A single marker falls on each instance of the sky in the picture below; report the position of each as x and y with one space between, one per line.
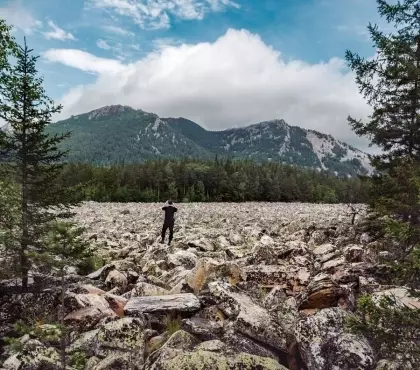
220 63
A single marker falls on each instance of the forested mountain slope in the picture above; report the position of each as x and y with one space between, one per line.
120 134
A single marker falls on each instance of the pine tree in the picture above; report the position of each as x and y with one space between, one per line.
391 84
31 157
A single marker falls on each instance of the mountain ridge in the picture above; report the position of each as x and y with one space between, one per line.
121 134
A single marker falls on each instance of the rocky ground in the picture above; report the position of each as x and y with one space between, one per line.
243 286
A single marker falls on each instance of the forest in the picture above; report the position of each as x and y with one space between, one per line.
212 181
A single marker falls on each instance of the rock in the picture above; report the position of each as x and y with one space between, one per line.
157 342
322 250
202 245
391 365
34 356
91 363
249 318
400 296
324 345
73 301
203 329
116 337
87 318
183 352
145 289
178 343
100 273
284 275
182 258
347 352
353 253
333 265
264 253
14 306
116 303
162 304
121 361
322 292
242 343
116 279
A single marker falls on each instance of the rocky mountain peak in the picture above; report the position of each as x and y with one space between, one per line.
119 133
110 110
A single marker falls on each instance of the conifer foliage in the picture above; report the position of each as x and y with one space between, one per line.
31 160
391 84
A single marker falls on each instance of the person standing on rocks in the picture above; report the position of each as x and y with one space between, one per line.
169 221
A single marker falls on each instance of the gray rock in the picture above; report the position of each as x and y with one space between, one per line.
347 352
162 304
249 318
145 289
185 259
34 356
324 345
202 328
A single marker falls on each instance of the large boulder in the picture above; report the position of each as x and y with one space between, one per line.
324 345
184 352
34 356
145 289
174 303
182 258
249 318
115 338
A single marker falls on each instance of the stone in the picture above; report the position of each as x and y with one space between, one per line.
145 289
87 318
34 356
249 318
73 302
120 361
185 259
353 253
333 265
182 351
284 275
322 292
202 245
322 250
347 352
203 329
401 296
324 345
175 303
116 278
116 337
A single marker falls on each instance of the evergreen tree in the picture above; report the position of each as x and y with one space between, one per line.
391 84
30 156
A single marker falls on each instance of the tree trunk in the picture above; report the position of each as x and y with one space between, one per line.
63 340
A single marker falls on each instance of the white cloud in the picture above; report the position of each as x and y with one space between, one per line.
118 30
154 14
165 42
19 17
58 33
103 44
235 81
84 61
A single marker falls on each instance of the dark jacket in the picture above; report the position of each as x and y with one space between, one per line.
169 213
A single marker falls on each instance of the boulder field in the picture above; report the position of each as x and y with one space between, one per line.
243 286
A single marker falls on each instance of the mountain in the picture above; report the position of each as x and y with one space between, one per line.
120 134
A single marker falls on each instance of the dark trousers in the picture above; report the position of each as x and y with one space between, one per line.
166 226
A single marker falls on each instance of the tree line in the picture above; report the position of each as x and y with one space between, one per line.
213 181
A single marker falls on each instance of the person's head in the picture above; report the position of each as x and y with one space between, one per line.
170 202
